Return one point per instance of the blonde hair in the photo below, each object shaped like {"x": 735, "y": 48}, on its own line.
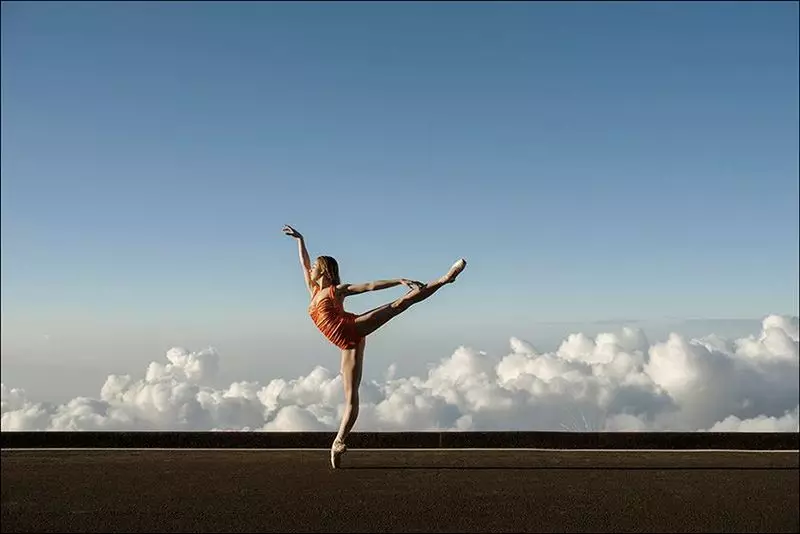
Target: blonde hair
{"x": 331, "y": 268}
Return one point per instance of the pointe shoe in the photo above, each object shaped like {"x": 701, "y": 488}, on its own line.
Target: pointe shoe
{"x": 337, "y": 450}
{"x": 454, "y": 271}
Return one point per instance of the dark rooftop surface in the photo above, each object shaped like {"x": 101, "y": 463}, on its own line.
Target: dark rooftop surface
{"x": 393, "y": 490}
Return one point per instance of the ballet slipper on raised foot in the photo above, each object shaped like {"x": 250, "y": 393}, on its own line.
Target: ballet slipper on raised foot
{"x": 454, "y": 271}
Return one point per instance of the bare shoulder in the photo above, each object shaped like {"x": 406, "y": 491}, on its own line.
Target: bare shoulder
{"x": 341, "y": 291}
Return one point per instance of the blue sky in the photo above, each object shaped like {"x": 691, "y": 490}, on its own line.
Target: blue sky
{"x": 591, "y": 161}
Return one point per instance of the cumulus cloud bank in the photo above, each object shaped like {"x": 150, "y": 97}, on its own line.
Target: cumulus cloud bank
{"x": 612, "y": 382}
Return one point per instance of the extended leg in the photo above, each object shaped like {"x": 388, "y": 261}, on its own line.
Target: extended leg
{"x": 370, "y": 321}
{"x": 352, "y": 365}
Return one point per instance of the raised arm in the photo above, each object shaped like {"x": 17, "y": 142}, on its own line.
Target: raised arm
{"x": 305, "y": 261}
{"x": 353, "y": 289}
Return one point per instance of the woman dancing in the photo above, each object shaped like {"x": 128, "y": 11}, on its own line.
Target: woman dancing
{"x": 349, "y": 331}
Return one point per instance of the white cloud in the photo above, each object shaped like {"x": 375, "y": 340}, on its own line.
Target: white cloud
{"x": 786, "y": 423}
{"x": 612, "y": 382}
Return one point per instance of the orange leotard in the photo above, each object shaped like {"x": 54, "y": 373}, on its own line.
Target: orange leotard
{"x": 335, "y": 324}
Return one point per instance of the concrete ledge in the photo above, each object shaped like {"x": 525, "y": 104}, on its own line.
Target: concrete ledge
{"x": 406, "y": 440}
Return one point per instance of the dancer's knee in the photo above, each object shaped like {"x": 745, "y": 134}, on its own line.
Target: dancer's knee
{"x": 403, "y": 303}
{"x": 352, "y": 399}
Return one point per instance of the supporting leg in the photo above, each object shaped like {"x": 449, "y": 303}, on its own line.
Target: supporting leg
{"x": 352, "y": 366}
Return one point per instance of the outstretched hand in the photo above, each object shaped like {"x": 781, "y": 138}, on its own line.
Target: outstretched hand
{"x": 291, "y": 232}
{"x": 412, "y": 284}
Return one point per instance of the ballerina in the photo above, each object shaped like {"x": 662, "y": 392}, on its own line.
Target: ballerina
{"x": 349, "y": 331}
